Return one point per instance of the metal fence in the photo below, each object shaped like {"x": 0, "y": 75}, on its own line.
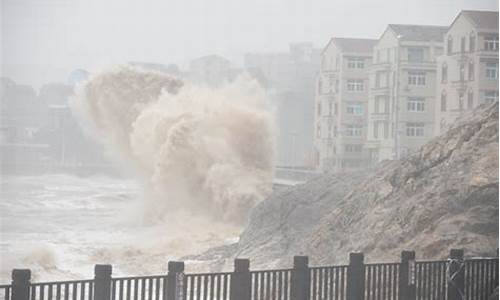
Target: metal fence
{"x": 456, "y": 278}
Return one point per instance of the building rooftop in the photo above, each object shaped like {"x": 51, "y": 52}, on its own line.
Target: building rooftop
{"x": 211, "y": 58}
{"x": 482, "y": 19}
{"x": 354, "y": 45}
{"x": 422, "y": 33}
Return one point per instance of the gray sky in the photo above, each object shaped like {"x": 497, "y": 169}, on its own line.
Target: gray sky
{"x": 42, "y": 40}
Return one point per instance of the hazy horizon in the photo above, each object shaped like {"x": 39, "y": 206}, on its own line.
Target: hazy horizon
{"x": 43, "y": 40}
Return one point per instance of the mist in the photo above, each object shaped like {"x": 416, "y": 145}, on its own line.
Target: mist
{"x": 197, "y": 148}
{"x": 136, "y": 133}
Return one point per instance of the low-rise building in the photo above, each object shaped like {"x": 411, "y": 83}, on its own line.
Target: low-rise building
{"x": 402, "y": 90}
{"x": 468, "y": 70}
{"x": 341, "y": 104}
{"x": 212, "y": 70}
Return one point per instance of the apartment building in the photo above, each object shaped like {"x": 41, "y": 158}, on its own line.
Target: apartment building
{"x": 468, "y": 70}
{"x": 402, "y": 90}
{"x": 341, "y": 104}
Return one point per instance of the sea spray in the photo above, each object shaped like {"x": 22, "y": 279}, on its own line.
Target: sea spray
{"x": 202, "y": 150}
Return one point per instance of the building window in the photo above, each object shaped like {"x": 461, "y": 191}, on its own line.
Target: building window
{"x": 470, "y": 100}
{"x": 491, "y": 43}
{"x": 331, "y": 82}
{"x": 462, "y": 72}
{"x": 416, "y": 104}
{"x": 386, "y": 130}
{"x": 318, "y": 131}
{"x": 381, "y": 79}
{"x": 353, "y": 148}
{"x": 416, "y": 78}
{"x": 449, "y": 47}
{"x": 462, "y": 44}
{"x": 355, "y": 85}
{"x": 378, "y": 56}
{"x": 381, "y": 105}
{"x": 471, "y": 70}
{"x": 490, "y": 96}
{"x": 461, "y": 101}
{"x": 472, "y": 42}
{"x": 330, "y": 108}
{"x": 319, "y": 109}
{"x": 355, "y": 109}
{"x": 444, "y": 73}
{"x": 492, "y": 70}
{"x": 356, "y": 63}
{"x": 375, "y": 129}
{"x": 320, "y": 86}
{"x": 415, "y": 54}
{"x": 415, "y": 129}
{"x": 354, "y": 130}
{"x": 443, "y": 101}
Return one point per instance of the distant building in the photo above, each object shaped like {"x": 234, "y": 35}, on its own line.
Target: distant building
{"x": 76, "y": 76}
{"x": 171, "y": 69}
{"x": 468, "y": 70}
{"x": 341, "y": 104}
{"x": 402, "y": 93}
{"x": 212, "y": 70}
{"x": 289, "y": 78}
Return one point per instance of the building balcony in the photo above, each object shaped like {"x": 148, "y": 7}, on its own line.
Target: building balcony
{"x": 372, "y": 144}
{"x": 384, "y": 65}
{"x": 331, "y": 92}
{"x": 460, "y": 85}
{"x": 460, "y": 56}
{"x": 379, "y": 117}
{"x": 380, "y": 90}
{"x": 418, "y": 65}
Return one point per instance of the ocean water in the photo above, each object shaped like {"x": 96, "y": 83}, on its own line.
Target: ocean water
{"x": 59, "y": 226}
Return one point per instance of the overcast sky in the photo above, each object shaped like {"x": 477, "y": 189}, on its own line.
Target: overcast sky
{"x": 42, "y": 40}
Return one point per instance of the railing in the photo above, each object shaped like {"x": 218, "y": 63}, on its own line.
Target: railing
{"x": 273, "y": 284}
{"x": 5, "y": 291}
{"x": 453, "y": 279}
{"x": 328, "y": 283}
{"x": 381, "y": 281}
{"x": 62, "y": 290}
{"x": 430, "y": 278}
{"x": 481, "y": 277}
{"x": 139, "y": 288}
{"x": 207, "y": 286}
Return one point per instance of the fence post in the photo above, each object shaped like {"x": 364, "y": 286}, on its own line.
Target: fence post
{"x": 241, "y": 281}
{"x": 300, "y": 280}
{"x": 456, "y": 275}
{"x": 102, "y": 282}
{"x": 21, "y": 284}
{"x": 175, "y": 280}
{"x": 356, "y": 277}
{"x": 407, "y": 276}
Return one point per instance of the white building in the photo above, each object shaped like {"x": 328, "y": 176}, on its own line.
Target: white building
{"x": 341, "y": 104}
{"x": 468, "y": 71}
{"x": 402, "y": 89}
